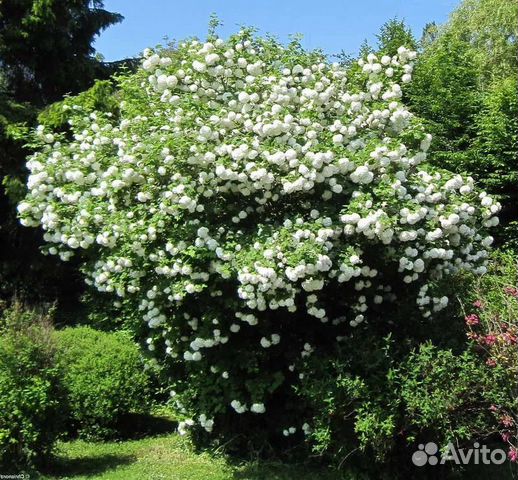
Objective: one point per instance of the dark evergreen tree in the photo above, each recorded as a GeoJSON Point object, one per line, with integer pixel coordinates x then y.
{"type": "Point", "coordinates": [394, 34]}
{"type": "Point", "coordinates": [46, 46]}
{"type": "Point", "coordinates": [45, 52]}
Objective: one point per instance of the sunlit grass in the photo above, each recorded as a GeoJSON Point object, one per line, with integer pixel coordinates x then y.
{"type": "Point", "coordinates": [166, 457]}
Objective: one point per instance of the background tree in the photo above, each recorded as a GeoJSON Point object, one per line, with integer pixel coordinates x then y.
{"type": "Point", "coordinates": [46, 46]}
{"type": "Point", "coordinates": [392, 35]}
{"type": "Point", "coordinates": [445, 93]}
{"type": "Point", "coordinates": [45, 52]}
{"type": "Point", "coordinates": [465, 89]}
{"type": "Point", "coordinates": [429, 35]}
{"type": "Point", "coordinates": [490, 27]}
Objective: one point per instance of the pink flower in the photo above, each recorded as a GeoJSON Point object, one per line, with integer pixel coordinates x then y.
{"type": "Point", "coordinates": [473, 336]}
{"type": "Point", "coordinates": [506, 436]}
{"type": "Point", "coordinates": [513, 454]}
{"type": "Point", "coordinates": [493, 408]}
{"type": "Point", "coordinates": [491, 362]}
{"type": "Point", "coordinates": [507, 421]}
{"type": "Point", "coordinates": [513, 291]}
{"type": "Point", "coordinates": [490, 339]}
{"type": "Point", "coordinates": [478, 304]}
{"type": "Point", "coordinates": [472, 319]}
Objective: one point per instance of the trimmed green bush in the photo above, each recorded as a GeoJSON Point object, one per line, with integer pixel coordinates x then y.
{"type": "Point", "coordinates": [104, 378]}
{"type": "Point", "coordinates": [32, 400]}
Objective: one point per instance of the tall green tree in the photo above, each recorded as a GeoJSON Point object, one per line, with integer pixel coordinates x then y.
{"type": "Point", "coordinates": [490, 27]}
{"type": "Point", "coordinates": [465, 88]}
{"type": "Point", "coordinates": [45, 52]}
{"type": "Point", "coordinates": [393, 34]}
{"type": "Point", "coordinates": [429, 35]}
{"type": "Point", "coordinates": [46, 46]}
{"type": "Point", "coordinates": [445, 92]}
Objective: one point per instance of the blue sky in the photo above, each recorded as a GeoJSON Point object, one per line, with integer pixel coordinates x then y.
{"type": "Point", "coordinates": [332, 25]}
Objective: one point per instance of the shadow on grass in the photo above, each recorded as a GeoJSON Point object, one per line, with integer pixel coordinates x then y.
{"type": "Point", "coordinates": [132, 426]}
{"type": "Point", "coordinates": [87, 466]}
{"type": "Point", "coordinates": [136, 426]}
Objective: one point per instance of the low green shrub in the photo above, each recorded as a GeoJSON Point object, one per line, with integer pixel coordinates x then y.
{"type": "Point", "coordinates": [32, 398]}
{"type": "Point", "coordinates": [448, 397]}
{"type": "Point", "coordinates": [383, 404]}
{"type": "Point", "coordinates": [104, 378]}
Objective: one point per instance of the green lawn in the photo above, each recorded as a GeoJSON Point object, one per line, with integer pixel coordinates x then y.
{"type": "Point", "coordinates": [165, 457]}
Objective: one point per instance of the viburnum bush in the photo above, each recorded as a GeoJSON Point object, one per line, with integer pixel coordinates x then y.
{"type": "Point", "coordinates": [249, 204]}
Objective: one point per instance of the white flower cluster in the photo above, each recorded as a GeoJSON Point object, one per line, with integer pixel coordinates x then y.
{"type": "Point", "coordinates": [242, 177]}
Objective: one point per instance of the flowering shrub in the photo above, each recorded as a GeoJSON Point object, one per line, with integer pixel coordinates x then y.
{"type": "Point", "coordinates": [387, 398]}
{"type": "Point", "coordinates": [249, 204]}
{"type": "Point", "coordinates": [492, 322]}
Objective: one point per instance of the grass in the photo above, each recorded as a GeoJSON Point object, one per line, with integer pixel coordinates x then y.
{"type": "Point", "coordinates": [164, 457]}
{"type": "Point", "coordinates": [159, 453]}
